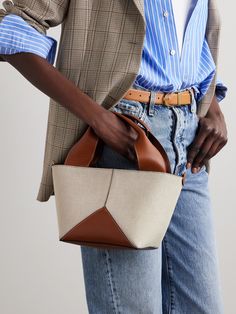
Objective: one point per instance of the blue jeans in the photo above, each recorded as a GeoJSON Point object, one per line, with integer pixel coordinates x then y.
{"type": "Point", "coordinates": [182, 275]}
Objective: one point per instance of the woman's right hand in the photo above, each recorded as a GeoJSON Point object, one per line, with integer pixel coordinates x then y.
{"type": "Point", "coordinates": [117, 134]}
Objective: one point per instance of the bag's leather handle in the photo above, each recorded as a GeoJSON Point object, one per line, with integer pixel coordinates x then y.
{"type": "Point", "coordinates": [149, 152]}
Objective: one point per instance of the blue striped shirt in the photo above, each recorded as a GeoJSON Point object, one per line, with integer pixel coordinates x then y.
{"type": "Point", "coordinates": [162, 67]}
{"type": "Point", "coordinates": [16, 35]}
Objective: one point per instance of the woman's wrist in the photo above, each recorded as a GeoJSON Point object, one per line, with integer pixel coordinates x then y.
{"type": "Point", "coordinates": [214, 109]}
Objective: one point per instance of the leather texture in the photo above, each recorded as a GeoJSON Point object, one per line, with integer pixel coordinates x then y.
{"type": "Point", "coordinates": [115, 207]}
{"type": "Point", "coordinates": [103, 230]}
{"type": "Point", "coordinates": [169, 99]}
{"type": "Point", "coordinates": [150, 153]}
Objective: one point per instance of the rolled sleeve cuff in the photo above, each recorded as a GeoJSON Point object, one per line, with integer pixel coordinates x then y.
{"type": "Point", "coordinates": [220, 90]}
{"type": "Point", "coordinates": [16, 35]}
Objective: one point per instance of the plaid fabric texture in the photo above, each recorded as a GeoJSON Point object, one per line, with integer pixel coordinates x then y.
{"type": "Point", "coordinates": [100, 50]}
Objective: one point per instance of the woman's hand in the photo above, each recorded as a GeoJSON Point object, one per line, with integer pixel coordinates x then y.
{"type": "Point", "coordinates": [117, 134]}
{"type": "Point", "coordinates": [210, 139]}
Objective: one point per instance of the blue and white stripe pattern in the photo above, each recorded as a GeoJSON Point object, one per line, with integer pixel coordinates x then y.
{"type": "Point", "coordinates": [162, 67]}
{"type": "Point", "coordinates": [16, 35]}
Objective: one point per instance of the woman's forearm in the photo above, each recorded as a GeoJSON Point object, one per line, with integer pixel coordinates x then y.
{"type": "Point", "coordinates": [110, 128]}
{"type": "Point", "coordinates": [51, 82]}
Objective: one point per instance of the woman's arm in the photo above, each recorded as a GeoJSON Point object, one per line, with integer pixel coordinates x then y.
{"type": "Point", "coordinates": [51, 82]}
{"type": "Point", "coordinates": [42, 15]}
{"type": "Point", "coordinates": [112, 130]}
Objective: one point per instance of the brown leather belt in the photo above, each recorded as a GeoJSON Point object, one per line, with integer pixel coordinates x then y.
{"type": "Point", "coordinates": [168, 99]}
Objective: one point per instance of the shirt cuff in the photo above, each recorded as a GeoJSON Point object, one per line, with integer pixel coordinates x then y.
{"type": "Point", "coordinates": [220, 90]}
{"type": "Point", "coordinates": [16, 35]}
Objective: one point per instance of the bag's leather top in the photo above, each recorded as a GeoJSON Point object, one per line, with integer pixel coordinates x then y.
{"type": "Point", "coordinates": [150, 154]}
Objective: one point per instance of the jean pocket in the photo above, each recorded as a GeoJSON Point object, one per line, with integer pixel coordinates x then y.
{"type": "Point", "coordinates": [132, 107]}
{"type": "Point", "coordinates": [129, 107]}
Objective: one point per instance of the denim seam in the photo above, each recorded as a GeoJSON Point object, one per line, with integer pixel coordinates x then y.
{"type": "Point", "coordinates": [143, 116]}
{"type": "Point", "coordinates": [174, 132]}
{"type": "Point", "coordinates": [169, 270]}
{"type": "Point", "coordinates": [111, 283]}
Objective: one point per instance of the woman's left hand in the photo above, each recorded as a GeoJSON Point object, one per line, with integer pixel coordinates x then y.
{"type": "Point", "coordinates": [210, 138]}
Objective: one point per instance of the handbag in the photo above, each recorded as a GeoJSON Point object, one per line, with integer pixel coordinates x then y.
{"type": "Point", "coordinates": [115, 208]}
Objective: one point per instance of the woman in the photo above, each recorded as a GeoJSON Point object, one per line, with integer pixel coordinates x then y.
{"type": "Point", "coordinates": [105, 53]}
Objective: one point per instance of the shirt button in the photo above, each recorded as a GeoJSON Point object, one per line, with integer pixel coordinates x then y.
{"type": "Point", "coordinates": [165, 13]}
{"type": "Point", "coordinates": [172, 52]}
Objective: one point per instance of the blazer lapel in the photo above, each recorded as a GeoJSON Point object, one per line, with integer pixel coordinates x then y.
{"type": "Point", "coordinates": [140, 6]}
{"type": "Point", "coordinates": [213, 28]}
{"type": "Point", "coordinates": [213, 36]}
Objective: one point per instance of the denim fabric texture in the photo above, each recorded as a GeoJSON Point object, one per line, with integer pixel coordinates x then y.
{"type": "Point", "coordinates": [182, 275]}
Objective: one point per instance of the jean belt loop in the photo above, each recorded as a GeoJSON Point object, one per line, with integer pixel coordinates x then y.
{"type": "Point", "coordinates": [192, 106]}
{"type": "Point", "coordinates": [152, 103]}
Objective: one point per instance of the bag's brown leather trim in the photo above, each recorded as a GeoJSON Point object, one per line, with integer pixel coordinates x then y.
{"type": "Point", "coordinates": [150, 154]}
{"type": "Point", "coordinates": [100, 225]}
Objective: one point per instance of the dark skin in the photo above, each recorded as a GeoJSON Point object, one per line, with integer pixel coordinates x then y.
{"type": "Point", "coordinates": [210, 138]}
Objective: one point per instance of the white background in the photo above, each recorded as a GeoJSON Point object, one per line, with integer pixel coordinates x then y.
{"type": "Point", "coordinates": [41, 275]}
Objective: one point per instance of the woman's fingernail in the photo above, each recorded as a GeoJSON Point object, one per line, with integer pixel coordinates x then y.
{"type": "Point", "coordinates": [195, 170]}
{"type": "Point", "coordinates": [188, 165]}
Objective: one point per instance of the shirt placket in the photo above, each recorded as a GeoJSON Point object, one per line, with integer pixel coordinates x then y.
{"type": "Point", "coordinates": [172, 48]}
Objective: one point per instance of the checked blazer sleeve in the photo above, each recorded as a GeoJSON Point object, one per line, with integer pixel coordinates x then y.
{"type": "Point", "coordinates": [31, 19]}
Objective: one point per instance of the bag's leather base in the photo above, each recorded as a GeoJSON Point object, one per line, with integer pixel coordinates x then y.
{"type": "Point", "coordinates": [101, 226]}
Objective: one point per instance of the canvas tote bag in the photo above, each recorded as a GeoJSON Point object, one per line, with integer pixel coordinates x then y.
{"type": "Point", "coordinates": [119, 208]}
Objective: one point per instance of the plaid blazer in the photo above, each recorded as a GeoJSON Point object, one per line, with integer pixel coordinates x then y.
{"type": "Point", "coordinates": [100, 51]}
